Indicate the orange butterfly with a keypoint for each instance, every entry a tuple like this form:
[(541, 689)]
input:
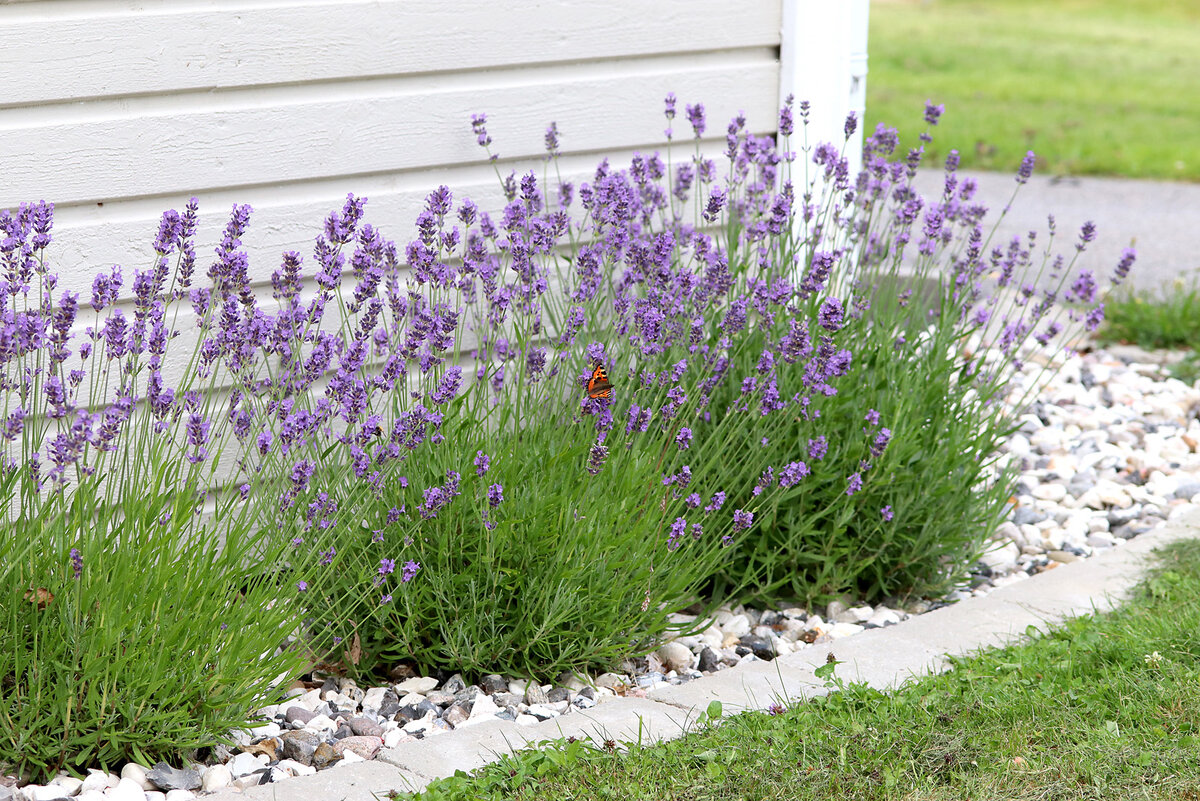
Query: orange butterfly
[(598, 385)]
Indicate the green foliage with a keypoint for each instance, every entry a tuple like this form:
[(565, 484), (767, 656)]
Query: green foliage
[(1166, 318), (1102, 87), (166, 642), (571, 574)]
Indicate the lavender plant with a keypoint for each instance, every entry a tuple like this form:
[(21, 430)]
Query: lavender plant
[(143, 606), (904, 500)]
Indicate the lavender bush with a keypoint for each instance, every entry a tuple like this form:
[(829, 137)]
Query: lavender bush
[(903, 500), (140, 615), (398, 458)]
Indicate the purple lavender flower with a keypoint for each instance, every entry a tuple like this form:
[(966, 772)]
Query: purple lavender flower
[(1086, 235), (853, 483), (495, 495), (693, 500), (872, 417), (695, 115), (886, 512), (327, 556), (1026, 169), (881, 442), (684, 438), (76, 562), (386, 566), (817, 448), (482, 462), (786, 123), (409, 571), (596, 457), (851, 124), (385, 599), (552, 140), (831, 314), (742, 519), (715, 502), (674, 537), (302, 586), (791, 474), (932, 112), (1123, 266), (1094, 318)]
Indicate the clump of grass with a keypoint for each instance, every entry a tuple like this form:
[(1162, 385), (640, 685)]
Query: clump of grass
[(1105, 706), (1166, 317)]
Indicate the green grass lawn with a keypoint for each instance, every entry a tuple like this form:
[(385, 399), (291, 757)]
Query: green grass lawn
[(1094, 87), (1103, 707)]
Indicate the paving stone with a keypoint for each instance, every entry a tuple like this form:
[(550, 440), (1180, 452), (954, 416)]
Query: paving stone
[(358, 781)]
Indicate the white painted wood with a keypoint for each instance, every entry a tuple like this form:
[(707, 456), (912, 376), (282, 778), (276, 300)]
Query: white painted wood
[(823, 59), (156, 147), (111, 48)]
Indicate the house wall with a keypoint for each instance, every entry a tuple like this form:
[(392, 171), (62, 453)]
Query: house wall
[(116, 110)]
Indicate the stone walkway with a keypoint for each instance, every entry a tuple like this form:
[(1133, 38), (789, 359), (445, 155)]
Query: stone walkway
[(884, 658)]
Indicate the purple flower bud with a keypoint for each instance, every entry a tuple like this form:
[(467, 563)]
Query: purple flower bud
[(76, 562), (302, 586), (831, 314), (792, 473), (596, 457), (684, 438), (482, 462), (742, 520), (1026, 169), (886, 512), (854, 483), (386, 566), (817, 448), (495, 495), (932, 112), (409, 571)]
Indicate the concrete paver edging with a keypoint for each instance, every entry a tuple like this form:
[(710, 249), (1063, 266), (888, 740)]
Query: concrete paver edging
[(884, 658)]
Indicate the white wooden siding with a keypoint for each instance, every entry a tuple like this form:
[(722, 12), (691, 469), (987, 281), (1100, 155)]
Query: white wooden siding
[(116, 110)]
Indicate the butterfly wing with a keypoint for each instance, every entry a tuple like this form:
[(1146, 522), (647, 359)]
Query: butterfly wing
[(598, 385)]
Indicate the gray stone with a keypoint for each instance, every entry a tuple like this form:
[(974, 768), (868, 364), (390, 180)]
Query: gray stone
[(1187, 491), (299, 746), (1023, 515), (365, 727), (390, 704), (454, 684), (507, 700), (415, 712), (709, 660), (166, 777), (534, 694), (467, 693), (440, 698), (493, 683), (343, 732), (558, 694), (759, 646)]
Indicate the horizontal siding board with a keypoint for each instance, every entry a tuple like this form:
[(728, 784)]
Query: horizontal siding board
[(88, 239), (107, 49), (192, 152)]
